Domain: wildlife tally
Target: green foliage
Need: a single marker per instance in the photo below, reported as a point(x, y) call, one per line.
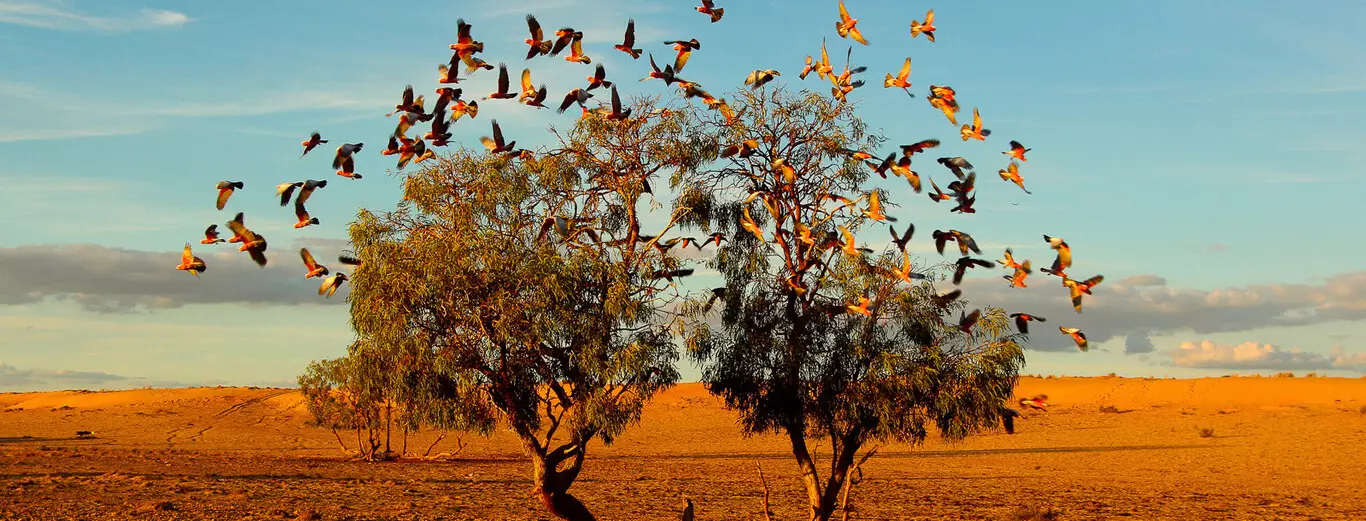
point(785, 352)
point(521, 287)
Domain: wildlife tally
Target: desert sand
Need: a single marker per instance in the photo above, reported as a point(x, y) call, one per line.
point(1281, 448)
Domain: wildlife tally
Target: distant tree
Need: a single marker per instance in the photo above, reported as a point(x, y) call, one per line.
point(526, 286)
point(340, 394)
point(817, 337)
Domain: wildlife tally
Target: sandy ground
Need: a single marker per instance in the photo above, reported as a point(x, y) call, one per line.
point(1283, 448)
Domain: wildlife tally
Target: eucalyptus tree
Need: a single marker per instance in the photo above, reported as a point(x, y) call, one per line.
point(533, 287)
point(814, 334)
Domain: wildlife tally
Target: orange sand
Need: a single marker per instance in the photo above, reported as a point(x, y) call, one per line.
point(1283, 448)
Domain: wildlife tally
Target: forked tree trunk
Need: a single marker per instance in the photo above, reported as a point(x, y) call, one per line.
point(824, 498)
point(552, 483)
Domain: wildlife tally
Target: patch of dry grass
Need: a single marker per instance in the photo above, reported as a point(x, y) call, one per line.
point(1034, 513)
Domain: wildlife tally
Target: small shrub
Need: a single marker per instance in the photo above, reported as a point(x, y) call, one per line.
point(1362, 410)
point(1110, 409)
point(1206, 433)
point(1034, 513)
point(1286, 374)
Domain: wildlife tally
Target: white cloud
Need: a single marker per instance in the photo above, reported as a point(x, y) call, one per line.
point(1144, 305)
point(1349, 361)
point(52, 15)
point(114, 280)
point(1256, 355)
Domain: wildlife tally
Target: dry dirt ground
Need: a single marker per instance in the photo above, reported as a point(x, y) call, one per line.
point(1282, 448)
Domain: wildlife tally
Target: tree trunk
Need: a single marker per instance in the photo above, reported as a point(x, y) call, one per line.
point(552, 484)
point(810, 477)
point(388, 427)
point(554, 494)
point(824, 499)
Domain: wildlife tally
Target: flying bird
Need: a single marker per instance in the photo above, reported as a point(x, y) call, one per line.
point(448, 73)
point(1077, 336)
point(937, 194)
point(190, 263)
point(943, 301)
point(299, 210)
point(685, 49)
point(473, 63)
point(1017, 151)
point(1012, 174)
point(537, 100)
point(874, 210)
point(1079, 288)
point(920, 147)
point(965, 241)
point(758, 78)
point(504, 85)
point(537, 44)
point(496, 145)
point(1017, 279)
point(628, 40)
point(709, 8)
point(1022, 321)
point(286, 190)
point(963, 264)
point(312, 142)
point(741, 150)
point(1038, 402)
point(943, 98)
point(225, 190)
point(348, 169)
point(967, 320)
point(1008, 416)
point(528, 88)
point(254, 244)
point(345, 152)
point(408, 104)
point(902, 240)
point(975, 130)
point(1064, 259)
point(211, 235)
point(579, 96)
point(715, 238)
point(957, 165)
point(598, 79)
point(330, 284)
point(926, 28)
point(900, 80)
point(563, 38)
point(617, 113)
point(314, 269)
point(847, 26)
point(576, 51)
point(465, 44)
point(860, 308)
point(666, 74)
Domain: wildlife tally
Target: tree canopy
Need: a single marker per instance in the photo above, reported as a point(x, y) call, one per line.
point(820, 337)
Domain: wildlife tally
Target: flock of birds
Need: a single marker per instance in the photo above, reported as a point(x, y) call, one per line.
point(451, 106)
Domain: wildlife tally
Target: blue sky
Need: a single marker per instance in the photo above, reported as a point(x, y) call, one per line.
point(1198, 154)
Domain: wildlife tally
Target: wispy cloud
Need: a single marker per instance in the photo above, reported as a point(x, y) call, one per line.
point(16, 379)
point(30, 117)
point(53, 15)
